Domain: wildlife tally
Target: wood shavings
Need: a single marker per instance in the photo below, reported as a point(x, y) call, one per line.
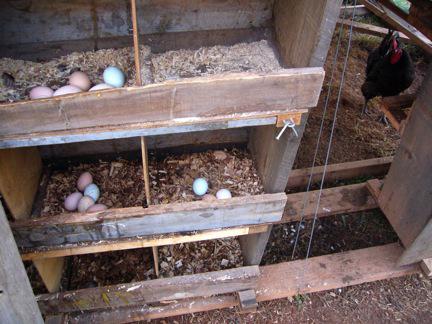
point(198, 257)
point(173, 176)
point(55, 73)
point(243, 57)
point(123, 187)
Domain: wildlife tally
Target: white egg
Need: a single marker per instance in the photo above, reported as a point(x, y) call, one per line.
point(68, 89)
point(41, 92)
point(92, 191)
point(200, 186)
point(101, 86)
point(80, 79)
point(114, 77)
point(223, 194)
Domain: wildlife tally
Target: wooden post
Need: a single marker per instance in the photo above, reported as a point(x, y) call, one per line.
point(20, 171)
point(17, 302)
point(298, 48)
point(406, 197)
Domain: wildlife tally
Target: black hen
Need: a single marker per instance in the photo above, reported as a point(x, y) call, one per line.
point(389, 69)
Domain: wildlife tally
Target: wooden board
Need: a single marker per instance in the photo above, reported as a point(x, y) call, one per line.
point(304, 30)
point(20, 171)
point(140, 242)
point(17, 302)
point(398, 23)
point(406, 197)
point(371, 29)
point(299, 178)
point(156, 219)
point(339, 270)
point(150, 291)
point(167, 104)
point(345, 199)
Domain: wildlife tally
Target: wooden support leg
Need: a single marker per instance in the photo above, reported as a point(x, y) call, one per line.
point(426, 266)
point(20, 171)
point(274, 160)
point(17, 302)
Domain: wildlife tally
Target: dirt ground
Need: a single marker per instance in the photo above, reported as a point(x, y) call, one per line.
point(408, 300)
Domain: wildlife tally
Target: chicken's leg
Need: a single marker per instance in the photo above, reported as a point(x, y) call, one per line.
point(365, 110)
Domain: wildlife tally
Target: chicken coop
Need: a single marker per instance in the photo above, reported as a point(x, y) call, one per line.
point(200, 75)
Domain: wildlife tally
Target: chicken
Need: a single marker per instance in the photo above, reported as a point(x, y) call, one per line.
point(389, 70)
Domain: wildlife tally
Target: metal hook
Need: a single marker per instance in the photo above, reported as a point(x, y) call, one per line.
point(288, 123)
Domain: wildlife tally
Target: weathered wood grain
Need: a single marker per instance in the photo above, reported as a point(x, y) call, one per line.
point(167, 104)
point(325, 272)
point(17, 302)
point(406, 196)
point(156, 219)
point(150, 291)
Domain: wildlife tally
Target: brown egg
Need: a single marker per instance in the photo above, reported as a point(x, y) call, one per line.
point(208, 197)
point(84, 180)
point(80, 79)
point(84, 203)
point(96, 208)
point(71, 201)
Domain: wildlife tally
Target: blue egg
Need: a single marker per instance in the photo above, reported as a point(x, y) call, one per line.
point(200, 186)
point(92, 191)
point(114, 77)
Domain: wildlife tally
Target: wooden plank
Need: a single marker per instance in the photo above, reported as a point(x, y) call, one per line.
point(224, 137)
point(371, 29)
point(360, 10)
point(295, 117)
point(136, 42)
point(17, 302)
point(156, 219)
point(319, 274)
point(426, 266)
point(137, 130)
point(20, 171)
point(398, 23)
point(183, 100)
point(299, 178)
point(304, 30)
point(345, 199)
point(140, 242)
point(51, 271)
point(151, 291)
point(406, 197)
point(247, 301)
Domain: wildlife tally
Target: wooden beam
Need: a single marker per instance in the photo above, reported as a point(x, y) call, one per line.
point(360, 10)
point(299, 178)
point(17, 302)
point(426, 266)
point(140, 242)
point(247, 301)
point(398, 23)
point(406, 197)
point(313, 275)
point(151, 291)
point(345, 199)
point(371, 29)
point(20, 171)
point(156, 219)
point(166, 104)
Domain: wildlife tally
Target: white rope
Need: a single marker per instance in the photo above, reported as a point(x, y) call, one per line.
point(307, 193)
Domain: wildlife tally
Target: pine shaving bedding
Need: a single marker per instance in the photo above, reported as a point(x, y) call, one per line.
point(243, 57)
point(55, 73)
point(172, 178)
point(256, 57)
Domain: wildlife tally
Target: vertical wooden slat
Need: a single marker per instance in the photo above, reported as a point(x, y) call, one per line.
point(406, 196)
point(17, 302)
point(136, 43)
point(20, 171)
